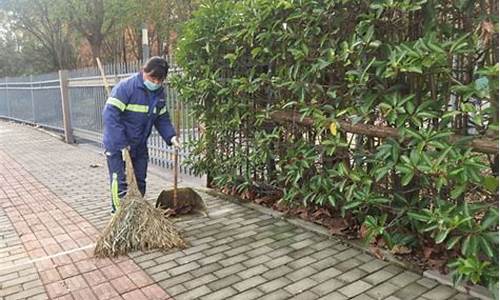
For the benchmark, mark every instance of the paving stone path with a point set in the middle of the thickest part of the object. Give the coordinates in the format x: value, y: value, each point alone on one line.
x: 54, y: 201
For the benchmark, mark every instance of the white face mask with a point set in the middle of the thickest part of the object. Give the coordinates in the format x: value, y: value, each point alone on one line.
x: 151, y: 85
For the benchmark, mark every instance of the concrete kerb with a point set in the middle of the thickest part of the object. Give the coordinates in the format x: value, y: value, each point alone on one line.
x: 472, y: 290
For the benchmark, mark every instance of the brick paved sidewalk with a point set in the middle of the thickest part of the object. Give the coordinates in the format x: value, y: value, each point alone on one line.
x: 53, y: 204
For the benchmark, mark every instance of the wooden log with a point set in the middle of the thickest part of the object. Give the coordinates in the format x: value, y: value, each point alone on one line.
x: 483, y: 145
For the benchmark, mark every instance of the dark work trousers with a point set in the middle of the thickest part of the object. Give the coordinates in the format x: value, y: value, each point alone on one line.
x: 116, y: 165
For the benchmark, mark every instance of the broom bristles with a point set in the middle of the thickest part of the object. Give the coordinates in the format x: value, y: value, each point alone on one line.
x: 137, y: 225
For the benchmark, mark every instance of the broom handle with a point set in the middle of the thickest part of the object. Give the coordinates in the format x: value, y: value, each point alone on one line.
x: 103, y: 75
x: 176, y: 157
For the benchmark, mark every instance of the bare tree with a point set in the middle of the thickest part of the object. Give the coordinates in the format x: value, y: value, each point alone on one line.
x: 39, y: 18
x: 95, y: 20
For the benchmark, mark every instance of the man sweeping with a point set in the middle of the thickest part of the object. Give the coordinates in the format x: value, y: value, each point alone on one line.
x: 135, y: 105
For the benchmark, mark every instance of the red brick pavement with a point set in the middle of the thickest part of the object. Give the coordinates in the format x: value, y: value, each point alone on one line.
x: 60, y: 242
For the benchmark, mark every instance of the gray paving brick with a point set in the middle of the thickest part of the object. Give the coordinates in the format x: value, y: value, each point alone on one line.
x: 355, y: 288
x: 404, y: 278
x: 38, y: 297
x: 213, y: 267
x: 193, y: 283
x: 238, y: 250
x: 328, y: 252
x: 440, y: 293
x: 259, y: 260
x: 220, y: 294
x: 211, y: 259
x: 428, y: 283
x: 348, y: 264
x: 233, y: 260
x: 373, y: 265
x: 233, y: 269
x: 277, y: 272
x: 304, y: 252
x: 304, y: 234
x: 326, y: 274
x: 196, y: 249
x: 278, y: 261
x: 327, y: 286
x: 176, y: 290
x: 250, y: 294
x: 277, y: 252
x: 19, y: 280
x: 249, y: 283
x: 221, y: 242
x: 223, y: 282
x: 161, y: 267
x: 299, y: 263
x: 352, y: 275
x: 169, y: 257
x: 307, y: 295
x: 189, y: 258
x: 10, y: 290
x: 241, y: 242
x: 327, y: 243
x: 378, y: 277
x: 365, y: 297
x: 261, y: 242
x: 27, y: 293
x: 347, y: 254
x: 259, y: 251
x: 159, y: 276
x: 300, y: 286
x: 411, y: 291
x: 383, y: 290
x: 197, y: 242
x: 32, y: 284
x: 393, y: 269
x: 183, y: 268
x: 340, y: 246
x: 276, y: 295
x: 256, y: 270
x: 274, y: 284
x: 301, y: 273
x: 324, y: 263
x: 364, y: 257
x: 146, y: 257
x: 9, y: 276
x: 333, y: 296
x: 194, y: 294
x: 147, y: 264
x: 176, y: 280
x: 281, y: 244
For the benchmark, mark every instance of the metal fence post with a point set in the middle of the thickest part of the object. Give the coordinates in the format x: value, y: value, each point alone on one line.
x: 7, y: 97
x: 145, y: 43
x: 32, y: 99
x: 68, y: 130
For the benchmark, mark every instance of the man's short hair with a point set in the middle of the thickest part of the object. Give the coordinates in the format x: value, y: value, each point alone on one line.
x: 156, y: 67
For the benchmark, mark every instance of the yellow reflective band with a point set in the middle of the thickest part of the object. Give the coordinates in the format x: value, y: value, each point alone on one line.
x: 116, y: 102
x: 137, y: 108
x: 114, y: 191
x: 163, y: 110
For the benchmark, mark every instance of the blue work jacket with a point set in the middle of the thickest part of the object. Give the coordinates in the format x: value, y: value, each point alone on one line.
x: 130, y: 113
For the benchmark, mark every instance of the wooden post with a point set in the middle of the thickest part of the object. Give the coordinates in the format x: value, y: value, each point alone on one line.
x: 68, y: 130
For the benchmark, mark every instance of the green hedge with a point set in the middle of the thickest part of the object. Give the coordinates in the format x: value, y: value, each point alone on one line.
x: 428, y: 69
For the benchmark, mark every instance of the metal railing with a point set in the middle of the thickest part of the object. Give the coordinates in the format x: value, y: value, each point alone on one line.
x: 37, y: 100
